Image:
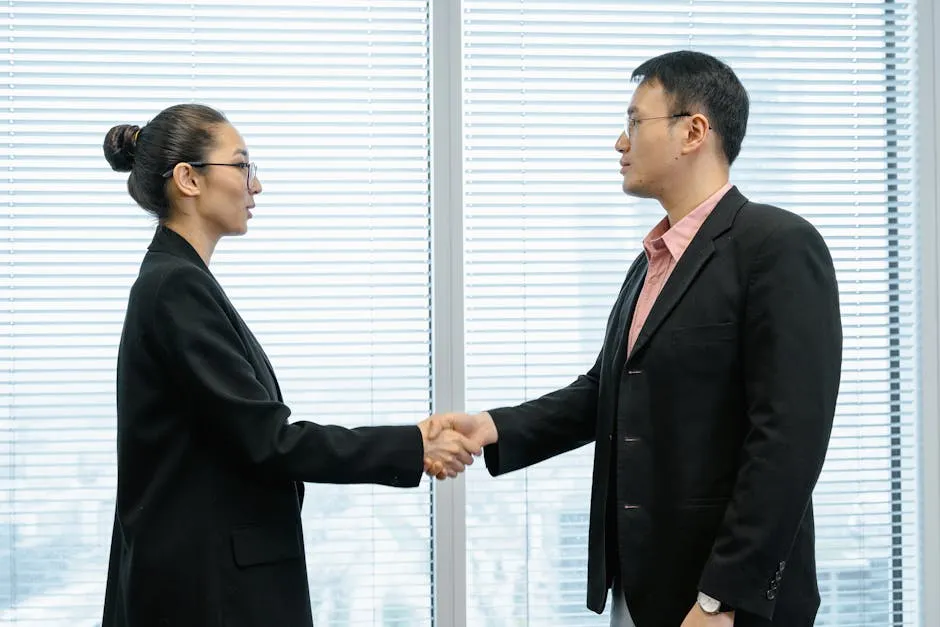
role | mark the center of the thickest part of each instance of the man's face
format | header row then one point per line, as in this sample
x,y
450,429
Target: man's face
x,y
650,143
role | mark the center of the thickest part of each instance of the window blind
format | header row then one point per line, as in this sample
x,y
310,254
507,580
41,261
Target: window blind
x,y
549,236
332,98
333,277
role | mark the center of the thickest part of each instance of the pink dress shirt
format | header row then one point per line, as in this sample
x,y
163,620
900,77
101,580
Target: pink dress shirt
x,y
664,246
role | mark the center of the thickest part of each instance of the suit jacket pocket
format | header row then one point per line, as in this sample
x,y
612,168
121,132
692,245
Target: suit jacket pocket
x,y
704,354
708,502
266,543
704,334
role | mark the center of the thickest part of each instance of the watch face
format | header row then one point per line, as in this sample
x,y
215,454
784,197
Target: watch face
x,y
709,605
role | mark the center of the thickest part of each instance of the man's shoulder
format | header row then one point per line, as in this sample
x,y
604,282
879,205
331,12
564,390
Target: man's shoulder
x,y
759,220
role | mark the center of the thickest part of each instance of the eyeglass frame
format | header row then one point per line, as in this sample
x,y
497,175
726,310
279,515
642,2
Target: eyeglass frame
x,y
630,124
250,166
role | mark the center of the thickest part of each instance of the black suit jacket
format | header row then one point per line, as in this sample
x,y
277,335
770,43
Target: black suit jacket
x,y
207,528
711,434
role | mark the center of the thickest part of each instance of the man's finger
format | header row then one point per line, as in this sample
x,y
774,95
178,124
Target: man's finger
x,y
460,455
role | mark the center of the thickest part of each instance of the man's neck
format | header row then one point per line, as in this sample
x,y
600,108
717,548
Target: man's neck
x,y
681,201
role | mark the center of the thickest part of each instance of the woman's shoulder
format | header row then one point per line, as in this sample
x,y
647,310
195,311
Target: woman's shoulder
x,y
164,276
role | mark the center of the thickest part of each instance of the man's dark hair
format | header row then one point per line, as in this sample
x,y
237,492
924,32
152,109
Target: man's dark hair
x,y
700,83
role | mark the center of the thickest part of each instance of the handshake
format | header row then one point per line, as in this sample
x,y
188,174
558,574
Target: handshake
x,y
452,440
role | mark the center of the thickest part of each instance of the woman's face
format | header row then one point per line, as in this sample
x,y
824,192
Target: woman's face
x,y
228,184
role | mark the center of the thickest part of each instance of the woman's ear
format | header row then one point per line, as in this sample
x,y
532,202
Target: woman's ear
x,y
187,180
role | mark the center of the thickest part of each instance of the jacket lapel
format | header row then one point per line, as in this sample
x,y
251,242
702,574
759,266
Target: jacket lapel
x,y
634,283
700,250
168,241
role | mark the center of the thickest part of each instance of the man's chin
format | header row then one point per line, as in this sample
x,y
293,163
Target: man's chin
x,y
634,190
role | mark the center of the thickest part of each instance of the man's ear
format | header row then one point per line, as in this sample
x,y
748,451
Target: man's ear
x,y
697,129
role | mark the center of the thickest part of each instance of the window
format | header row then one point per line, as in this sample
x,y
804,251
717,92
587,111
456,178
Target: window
x,y
333,98
549,236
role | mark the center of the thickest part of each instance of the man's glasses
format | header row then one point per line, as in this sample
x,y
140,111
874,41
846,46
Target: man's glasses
x,y
251,169
630,123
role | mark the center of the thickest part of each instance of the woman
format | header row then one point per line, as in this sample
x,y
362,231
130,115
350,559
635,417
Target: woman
x,y
207,530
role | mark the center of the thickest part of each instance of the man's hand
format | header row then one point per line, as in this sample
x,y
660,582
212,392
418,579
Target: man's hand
x,y
479,429
447,450
698,618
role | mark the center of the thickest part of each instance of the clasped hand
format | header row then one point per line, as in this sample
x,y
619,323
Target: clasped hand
x,y
453,439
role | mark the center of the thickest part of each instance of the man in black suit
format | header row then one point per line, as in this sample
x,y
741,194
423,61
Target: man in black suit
x,y
712,399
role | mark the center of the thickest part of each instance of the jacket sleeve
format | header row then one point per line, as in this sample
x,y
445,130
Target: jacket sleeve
x,y
562,420
201,344
792,356
558,422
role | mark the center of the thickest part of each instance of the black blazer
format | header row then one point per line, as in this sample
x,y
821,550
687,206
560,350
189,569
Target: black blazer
x,y
711,434
207,527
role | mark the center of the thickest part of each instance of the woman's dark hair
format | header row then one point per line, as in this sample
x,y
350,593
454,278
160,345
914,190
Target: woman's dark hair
x,y
181,133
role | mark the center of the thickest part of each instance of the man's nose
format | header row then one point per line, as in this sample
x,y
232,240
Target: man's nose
x,y
623,143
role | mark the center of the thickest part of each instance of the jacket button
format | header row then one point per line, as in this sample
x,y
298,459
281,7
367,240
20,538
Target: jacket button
x,y
771,595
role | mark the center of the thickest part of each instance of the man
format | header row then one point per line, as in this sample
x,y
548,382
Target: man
x,y
712,399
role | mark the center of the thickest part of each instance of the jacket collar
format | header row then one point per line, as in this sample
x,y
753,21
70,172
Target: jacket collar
x,y
166,240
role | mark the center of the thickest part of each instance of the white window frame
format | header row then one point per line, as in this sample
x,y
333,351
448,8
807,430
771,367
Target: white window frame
x,y
449,527
928,64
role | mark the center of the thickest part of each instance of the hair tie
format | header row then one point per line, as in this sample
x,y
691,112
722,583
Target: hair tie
x,y
136,133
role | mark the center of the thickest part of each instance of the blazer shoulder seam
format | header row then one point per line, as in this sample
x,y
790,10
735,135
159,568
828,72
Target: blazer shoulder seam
x,y
191,274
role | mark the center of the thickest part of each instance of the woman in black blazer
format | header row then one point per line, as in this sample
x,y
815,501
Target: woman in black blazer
x,y
207,528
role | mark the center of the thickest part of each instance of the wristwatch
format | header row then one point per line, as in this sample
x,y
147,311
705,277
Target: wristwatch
x,y
710,605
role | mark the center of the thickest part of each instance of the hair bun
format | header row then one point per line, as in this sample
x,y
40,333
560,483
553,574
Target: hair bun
x,y
120,145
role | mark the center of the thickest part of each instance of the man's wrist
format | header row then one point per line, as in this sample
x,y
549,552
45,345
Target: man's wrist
x,y
711,605
492,434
